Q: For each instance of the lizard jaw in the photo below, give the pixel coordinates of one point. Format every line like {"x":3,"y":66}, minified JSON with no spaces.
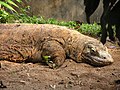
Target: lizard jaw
{"x":98,"y":61}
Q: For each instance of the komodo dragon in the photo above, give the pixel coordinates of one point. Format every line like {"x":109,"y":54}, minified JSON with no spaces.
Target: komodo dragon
{"x":25,"y":42}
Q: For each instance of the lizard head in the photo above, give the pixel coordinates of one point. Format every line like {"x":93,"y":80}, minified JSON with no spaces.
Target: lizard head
{"x":96,"y":54}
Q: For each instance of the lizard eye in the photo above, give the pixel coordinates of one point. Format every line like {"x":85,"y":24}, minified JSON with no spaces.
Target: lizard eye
{"x":93,"y":50}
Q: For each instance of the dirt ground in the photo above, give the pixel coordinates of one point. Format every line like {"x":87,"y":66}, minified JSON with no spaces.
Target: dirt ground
{"x":71,"y":76}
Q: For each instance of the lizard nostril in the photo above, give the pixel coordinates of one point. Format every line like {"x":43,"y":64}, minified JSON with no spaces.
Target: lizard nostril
{"x":104,"y":57}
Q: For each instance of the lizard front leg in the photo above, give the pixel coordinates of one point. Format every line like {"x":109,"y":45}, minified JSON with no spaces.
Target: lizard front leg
{"x":56,"y":53}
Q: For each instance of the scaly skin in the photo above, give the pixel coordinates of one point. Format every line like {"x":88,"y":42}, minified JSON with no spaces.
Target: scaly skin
{"x":30,"y":43}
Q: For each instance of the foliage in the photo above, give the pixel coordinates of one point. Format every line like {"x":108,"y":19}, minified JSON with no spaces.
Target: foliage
{"x":5,"y":6}
{"x":90,"y":29}
{"x":8,"y":4}
{"x":22,"y":17}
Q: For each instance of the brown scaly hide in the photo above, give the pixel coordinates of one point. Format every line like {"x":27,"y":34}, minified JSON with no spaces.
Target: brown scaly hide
{"x":23,"y":42}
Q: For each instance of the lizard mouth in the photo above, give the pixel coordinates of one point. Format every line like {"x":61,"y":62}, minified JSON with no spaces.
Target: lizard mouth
{"x":97,"y":61}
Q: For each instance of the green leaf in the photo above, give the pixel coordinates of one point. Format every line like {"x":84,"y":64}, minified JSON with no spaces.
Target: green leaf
{"x":11,"y":2}
{"x":19,"y":1}
{"x":46,"y":58}
{"x":7,"y":6}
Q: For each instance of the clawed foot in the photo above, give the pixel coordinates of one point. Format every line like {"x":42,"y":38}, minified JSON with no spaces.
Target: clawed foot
{"x":52,"y":65}
{"x":49,"y":62}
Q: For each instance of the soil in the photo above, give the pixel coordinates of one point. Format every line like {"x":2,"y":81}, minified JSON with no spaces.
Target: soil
{"x":70,"y":76}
